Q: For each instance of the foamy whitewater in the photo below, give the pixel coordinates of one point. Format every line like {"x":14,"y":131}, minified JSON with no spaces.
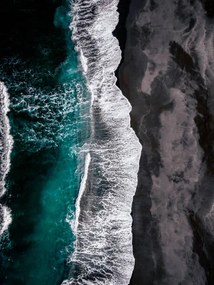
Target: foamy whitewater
{"x":6,"y":144}
{"x":103,"y":248}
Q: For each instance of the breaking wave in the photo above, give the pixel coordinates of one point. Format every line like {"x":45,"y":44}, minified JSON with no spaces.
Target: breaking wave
{"x":6,"y":143}
{"x":103,"y":249}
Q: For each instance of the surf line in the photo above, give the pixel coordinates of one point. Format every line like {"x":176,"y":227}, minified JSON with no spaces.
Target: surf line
{"x":81,"y":191}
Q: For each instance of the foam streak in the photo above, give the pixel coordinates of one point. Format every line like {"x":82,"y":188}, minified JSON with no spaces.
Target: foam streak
{"x":6,"y":144}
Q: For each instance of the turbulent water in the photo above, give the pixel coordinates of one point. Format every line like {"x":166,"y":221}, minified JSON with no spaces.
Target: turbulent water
{"x":49,"y":123}
{"x":168,"y":77}
{"x":69,"y":173}
{"x":103,"y":251}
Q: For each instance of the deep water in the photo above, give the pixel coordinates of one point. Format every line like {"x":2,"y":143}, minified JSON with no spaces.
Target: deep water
{"x":49,"y":104}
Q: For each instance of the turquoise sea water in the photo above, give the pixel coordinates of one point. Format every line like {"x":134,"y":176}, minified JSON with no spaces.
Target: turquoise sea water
{"x":49,"y":124}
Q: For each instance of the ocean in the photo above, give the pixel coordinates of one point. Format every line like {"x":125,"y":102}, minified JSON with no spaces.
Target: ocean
{"x":69,"y":158}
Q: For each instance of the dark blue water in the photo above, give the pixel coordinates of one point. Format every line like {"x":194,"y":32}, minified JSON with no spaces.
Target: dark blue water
{"x":49,"y":106}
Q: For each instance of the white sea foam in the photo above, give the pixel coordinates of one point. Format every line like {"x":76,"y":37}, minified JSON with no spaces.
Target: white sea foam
{"x":81,"y":191}
{"x":6,"y":144}
{"x":103,"y":250}
{"x":83,"y":61}
{"x":6,"y":218}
